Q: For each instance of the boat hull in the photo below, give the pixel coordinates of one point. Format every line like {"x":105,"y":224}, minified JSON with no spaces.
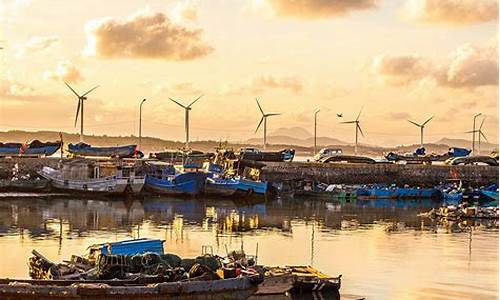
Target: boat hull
{"x":229,"y":187}
{"x":34,"y":149}
{"x":190,"y":183}
{"x":284,"y":155}
{"x":398,"y":193}
{"x":234,"y":288}
{"x":110,"y":184}
{"x":88,"y":150}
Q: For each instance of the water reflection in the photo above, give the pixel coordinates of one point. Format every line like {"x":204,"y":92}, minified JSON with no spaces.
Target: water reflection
{"x":374,"y":244}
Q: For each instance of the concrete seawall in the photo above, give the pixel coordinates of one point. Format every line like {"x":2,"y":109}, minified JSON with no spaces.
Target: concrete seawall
{"x":328,"y":173}
{"x":379,"y":173}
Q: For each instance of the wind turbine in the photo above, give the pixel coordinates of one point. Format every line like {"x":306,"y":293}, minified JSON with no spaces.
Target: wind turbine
{"x":421,"y":129}
{"x":186,"y":116}
{"x":264,"y":118}
{"x":357,"y":128}
{"x":480,"y":133}
{"x":79,"y":108}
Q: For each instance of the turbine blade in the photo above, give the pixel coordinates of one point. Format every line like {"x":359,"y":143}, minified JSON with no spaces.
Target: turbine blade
{"x":177,"y":103}
{"x":77,"y":111}
{"x":416,"y":124}
{"x":72,"y":90}
{"x":262,"y":119}
{"x":359,"y":114}
{"x":481,"y":126}
{"x":90,"y":90}
{"x":482,"y":134}
{"x":471,"y":131}
{"x":259,"y":106}
{"x":348,"y":122}
{"x":275,"y":114}
{"x":360,"y":131}
{"x":427,"y":121}
{"x":195,"y":101}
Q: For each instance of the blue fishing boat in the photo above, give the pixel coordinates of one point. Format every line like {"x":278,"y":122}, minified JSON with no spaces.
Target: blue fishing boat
{"x":489,"y":196}
{"x":378,"y":192}
{"x":219,"y":183}
{"x":35,"y":148}
{"x":452,"y":197}
{"x":82,"y":149}
{"x":169,"y":180}
{"x":232,"y":185}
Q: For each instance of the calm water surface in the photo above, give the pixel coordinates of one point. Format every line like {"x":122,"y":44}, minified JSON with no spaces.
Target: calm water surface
{"x":382,"y":249}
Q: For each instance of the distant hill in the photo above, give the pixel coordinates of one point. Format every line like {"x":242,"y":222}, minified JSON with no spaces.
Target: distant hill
{"x":296,"y":132}
{"x":302,"y":146}
{"x":485,"y":146}
{"x":288,"y":140}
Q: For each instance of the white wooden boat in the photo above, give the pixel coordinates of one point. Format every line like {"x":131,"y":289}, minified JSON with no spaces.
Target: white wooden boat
{"x":91,"y":176}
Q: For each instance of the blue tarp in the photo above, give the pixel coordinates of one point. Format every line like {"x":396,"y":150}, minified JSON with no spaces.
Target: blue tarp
{"x":131,"y":247}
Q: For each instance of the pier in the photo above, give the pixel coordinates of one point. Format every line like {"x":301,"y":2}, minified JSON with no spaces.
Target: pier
{"x":400,"y":174}
{"x":418,"y":175}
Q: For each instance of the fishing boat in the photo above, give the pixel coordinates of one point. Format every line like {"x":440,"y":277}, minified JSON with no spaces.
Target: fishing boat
{"x":177,"y":156}
{"x":329,"y":192}
{"x":83,"y":175}
{"x":82,"y":149}
{"x":419,"y":156}
{"x":228,"y":182}
{"x":139,"y":269}
{"x":167,"y":179}
{"x":326,"y":152}
{"x":33,"y":149}
{"x":233,"y":185}
{"x":257,"y":155}
{"x":347,"y":159}
{"x":472,"y":160}
{"x":392,"y":192}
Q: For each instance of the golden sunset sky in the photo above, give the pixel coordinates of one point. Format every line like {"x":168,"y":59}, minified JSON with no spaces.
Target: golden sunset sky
{"x":399,"y":59}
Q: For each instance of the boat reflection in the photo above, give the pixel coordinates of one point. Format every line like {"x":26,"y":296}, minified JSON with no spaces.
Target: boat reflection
{"x":48,"y":218}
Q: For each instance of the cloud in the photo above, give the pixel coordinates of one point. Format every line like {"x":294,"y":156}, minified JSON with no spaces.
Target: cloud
{"x":65,"y":71}
{"x":472,"y":66}
{"x":185,"y":10}
{"x":399,"y":115}
{"x":260,"y":84}
{"x":179,"y":88}
{"x":40,"y":42}
{"x":468,"y":66}
{"x":14,"y":92}
{"x":316,"y":9}
{"x":35,"y":44}
{"x":455,"y":12}
{"x":145,"y":35}
{"x":400,"y":70}
{"x":265,"y":82}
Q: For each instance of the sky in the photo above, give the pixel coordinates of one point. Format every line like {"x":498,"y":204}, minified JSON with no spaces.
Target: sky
{"x":395,"y":59}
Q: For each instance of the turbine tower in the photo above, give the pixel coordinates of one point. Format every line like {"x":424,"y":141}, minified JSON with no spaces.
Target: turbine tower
{"x":264,"y":118}
{"x":421,"y":130}
{"x":357,"y":128}
{"x":79,"y":108}
{"x":480,"y":133}
{"x":186,"y":117}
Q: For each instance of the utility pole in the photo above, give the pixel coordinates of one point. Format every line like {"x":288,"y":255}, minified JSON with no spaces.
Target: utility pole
{"x":140,"y":123}
{"x":315,"y":131}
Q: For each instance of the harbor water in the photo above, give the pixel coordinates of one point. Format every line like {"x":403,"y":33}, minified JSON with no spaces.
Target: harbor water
{"x":382,"y":248}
